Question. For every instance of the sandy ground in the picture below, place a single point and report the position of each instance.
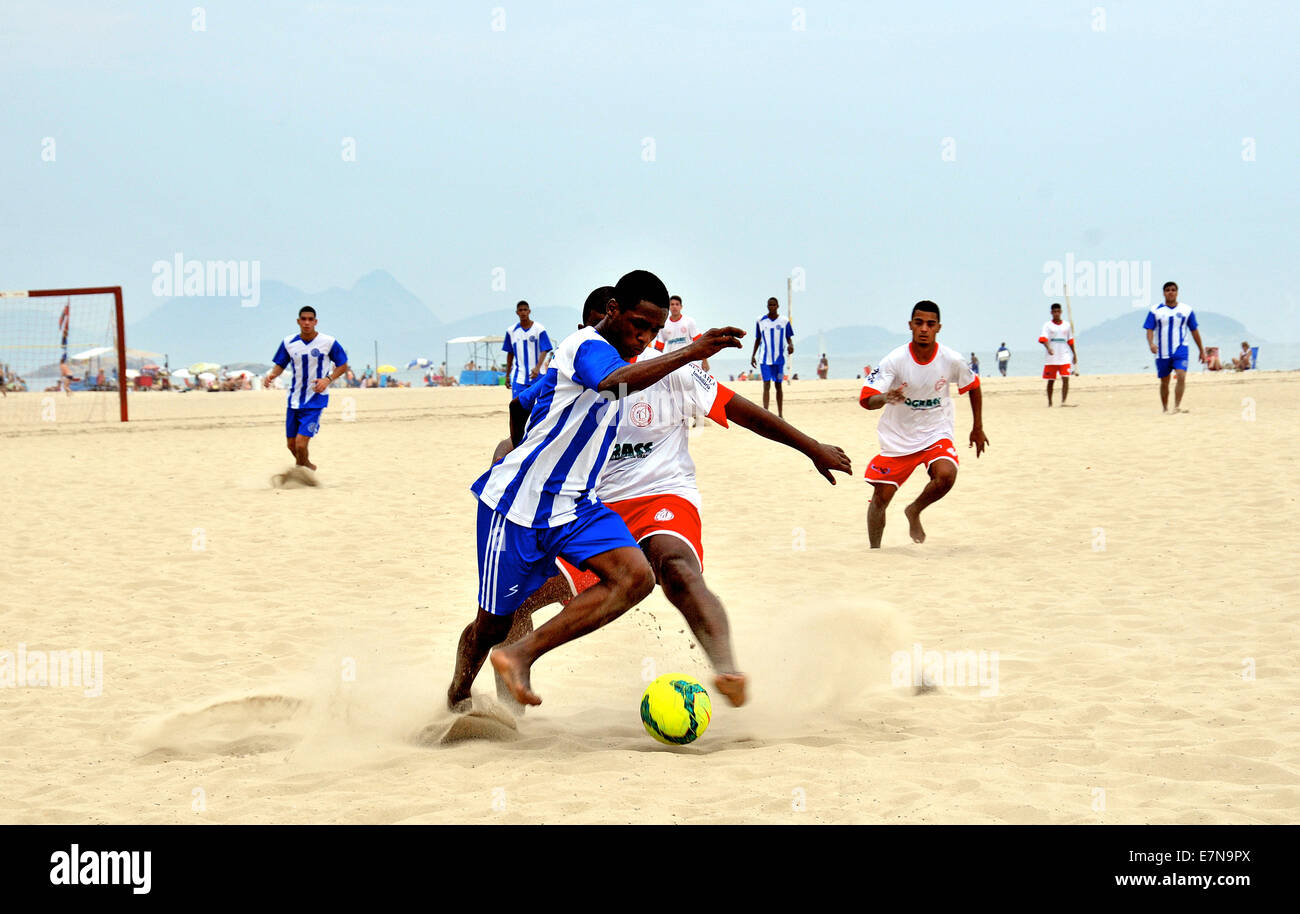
(1124, 581)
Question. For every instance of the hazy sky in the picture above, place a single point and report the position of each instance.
(891, 151)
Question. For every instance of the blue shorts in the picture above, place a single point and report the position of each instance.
(514, 561)
(1165, 366)
(517, 389)
(774, 372)
(305, 422)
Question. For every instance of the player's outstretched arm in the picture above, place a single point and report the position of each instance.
(640, 375)
(825, 457)
(978, 439)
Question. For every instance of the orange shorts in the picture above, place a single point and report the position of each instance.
(647, 516)
(1053, 371)
(895, 470)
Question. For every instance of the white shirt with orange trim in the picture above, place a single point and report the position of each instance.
(676, 334)
(649, 455)
(925, 416)
(1060, 337)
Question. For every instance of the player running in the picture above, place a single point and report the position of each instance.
(678, 331)
(1057, 338)
(307, 351)
(1166, 326)
(917, 426)
(775, 336)
(537, 504)
(650, 483)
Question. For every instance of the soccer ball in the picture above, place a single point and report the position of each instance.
(675, 709)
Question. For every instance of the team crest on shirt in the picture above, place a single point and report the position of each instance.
(642, 414)
(664, 514)
(315, 352)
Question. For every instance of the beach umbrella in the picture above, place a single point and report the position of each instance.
(419, 363)
(149, 366)
(385, 369)
(200, 367)
(182, 373)
(207, 376)
(132, 373)
(91, 353)
(241, 373)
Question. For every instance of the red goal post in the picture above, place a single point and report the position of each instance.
(114, 329)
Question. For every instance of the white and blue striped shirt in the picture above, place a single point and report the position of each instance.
(773, 334)
(527, 346)
(309, 361)
(548, 480)
(1171, 326)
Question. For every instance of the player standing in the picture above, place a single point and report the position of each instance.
(1057, 338)
(1166, 326)
(679, 331)
(307, 351)
(775, 337)
(527, 349)
(1004, 356)
(911, 383)
(536, 504)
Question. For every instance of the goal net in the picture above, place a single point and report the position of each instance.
(63, 357)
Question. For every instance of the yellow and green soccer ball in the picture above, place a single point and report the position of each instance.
(675, 709)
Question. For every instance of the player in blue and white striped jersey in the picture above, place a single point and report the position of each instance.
(307, 353)
(774, 335)
(1167, 325)
(526, 346)
(537, 503)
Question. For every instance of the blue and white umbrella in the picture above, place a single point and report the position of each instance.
(419, 363)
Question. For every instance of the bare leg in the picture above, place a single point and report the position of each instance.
(682, 581)
(556, 590)
(625, 580)
(1180, 383)
(766, 393)
(475, 641)
(301, 444)
(779, 401)
(1050, 385)
(882, 495)
(1065, 389)
(943, 474)
(1164, 393)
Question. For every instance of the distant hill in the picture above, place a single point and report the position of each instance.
(1216, 330)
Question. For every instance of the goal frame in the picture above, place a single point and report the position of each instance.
(116, 292)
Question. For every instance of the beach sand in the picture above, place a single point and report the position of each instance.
(273, 654)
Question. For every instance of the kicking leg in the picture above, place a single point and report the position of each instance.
(301, 444)
(882, 494)
(625, 580)
(678, 573)
(943, 473)
(556, 590)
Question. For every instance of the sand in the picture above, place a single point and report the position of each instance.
(273, 654)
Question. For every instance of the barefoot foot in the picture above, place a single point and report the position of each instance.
(914, 524)
(731, 685)
(515, 673)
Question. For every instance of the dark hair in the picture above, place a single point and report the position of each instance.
(773, 300)
(638, 286)
(525, 304)
(1055, 305)
(595, 305)
(1168, 284)
(927, 306)
(675, 298)
(305, 308)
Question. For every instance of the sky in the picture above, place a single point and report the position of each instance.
(882, 153)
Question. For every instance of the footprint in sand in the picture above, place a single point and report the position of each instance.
(238, 727)
(486, 721)
(295, 478)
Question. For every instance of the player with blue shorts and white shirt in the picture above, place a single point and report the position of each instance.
(774, 339)
(307, 353)
(538, 502)
(526, 346)
(1167, 325)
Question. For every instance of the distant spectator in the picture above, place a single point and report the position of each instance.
(1242, 361)
(974, 363)
(1004, 356)
(823, 367)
